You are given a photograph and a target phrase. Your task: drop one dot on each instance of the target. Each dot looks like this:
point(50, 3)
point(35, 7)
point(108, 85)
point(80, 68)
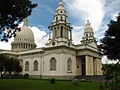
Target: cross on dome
point(88, 21)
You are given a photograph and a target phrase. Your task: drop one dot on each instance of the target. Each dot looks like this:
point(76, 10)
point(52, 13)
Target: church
point(60, 58)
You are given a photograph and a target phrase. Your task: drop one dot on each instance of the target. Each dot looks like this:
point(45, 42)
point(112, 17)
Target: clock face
point(53, 43)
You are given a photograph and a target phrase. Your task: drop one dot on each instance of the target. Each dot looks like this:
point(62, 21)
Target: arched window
point(55, 33)
point(56, 18)
point(61, 31)
point(53, 64)
point(27, 66)
point(69, 65)
point(35, 65)
point(61, 18)
point(86, 35)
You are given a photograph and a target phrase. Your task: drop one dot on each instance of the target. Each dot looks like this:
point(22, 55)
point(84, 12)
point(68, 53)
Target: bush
point(75, 82)
point(26, 76)
point(86, 80)
point(52, 81)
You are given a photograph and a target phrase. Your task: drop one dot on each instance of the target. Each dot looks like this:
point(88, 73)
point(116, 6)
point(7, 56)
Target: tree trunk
point(1, 76)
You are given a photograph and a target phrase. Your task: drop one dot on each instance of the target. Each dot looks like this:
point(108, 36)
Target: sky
point(99, 13)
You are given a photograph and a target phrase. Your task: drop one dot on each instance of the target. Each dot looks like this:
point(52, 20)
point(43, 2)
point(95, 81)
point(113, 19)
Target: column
point(87, 65)
point(99, 66)
point(59, 31)
point(91, 66)
point(70, 34)
point(67, 33)
point(50, 35)
point(53, 33)
point(95, 66)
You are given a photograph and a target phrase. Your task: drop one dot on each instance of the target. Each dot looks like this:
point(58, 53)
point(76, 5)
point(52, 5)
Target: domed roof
point(25, 35)
point(88, 27)
point(24, 39)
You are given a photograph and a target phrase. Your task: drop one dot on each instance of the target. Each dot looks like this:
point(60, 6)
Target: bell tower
point(60, 28)
point(88, 34)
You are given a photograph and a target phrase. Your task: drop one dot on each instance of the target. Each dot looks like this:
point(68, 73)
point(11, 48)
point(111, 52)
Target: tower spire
point(88, 34)
point(60, 28)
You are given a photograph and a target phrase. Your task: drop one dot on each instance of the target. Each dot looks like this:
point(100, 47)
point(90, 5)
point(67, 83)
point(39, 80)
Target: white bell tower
point(60, 29)
point(88, 34)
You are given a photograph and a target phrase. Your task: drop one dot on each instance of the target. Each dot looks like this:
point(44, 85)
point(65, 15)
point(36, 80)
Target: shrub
point(26, 76)
point(86, 80)
point(52, 81)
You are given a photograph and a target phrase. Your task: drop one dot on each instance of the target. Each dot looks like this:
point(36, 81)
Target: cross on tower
point(87, 20)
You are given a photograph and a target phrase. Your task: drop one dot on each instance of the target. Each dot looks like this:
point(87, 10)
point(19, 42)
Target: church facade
point(60, 58)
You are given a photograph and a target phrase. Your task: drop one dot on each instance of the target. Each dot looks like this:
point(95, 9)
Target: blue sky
point(99, 12)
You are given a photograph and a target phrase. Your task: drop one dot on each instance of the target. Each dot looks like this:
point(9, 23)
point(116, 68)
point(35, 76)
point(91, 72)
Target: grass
point(32, 84)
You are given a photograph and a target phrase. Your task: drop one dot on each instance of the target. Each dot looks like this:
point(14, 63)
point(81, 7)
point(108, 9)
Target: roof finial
point(25, 20)
point(88, 21)
point(60, 3)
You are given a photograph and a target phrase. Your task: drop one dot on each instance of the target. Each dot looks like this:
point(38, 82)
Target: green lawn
point(30, 84)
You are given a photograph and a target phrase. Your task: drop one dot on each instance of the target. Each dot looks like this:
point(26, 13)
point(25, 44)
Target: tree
point(12, 12)
point(111, 47)
point(111, 42)
point(9, 64)
point(3, 60)
point(112, 76)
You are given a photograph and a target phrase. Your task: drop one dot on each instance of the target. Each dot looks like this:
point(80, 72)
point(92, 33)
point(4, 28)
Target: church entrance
point(81, 70)
point(83, 66)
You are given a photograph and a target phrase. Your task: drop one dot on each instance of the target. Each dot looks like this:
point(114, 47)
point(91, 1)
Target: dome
point(24, 39)
point(25, 35)
point(88, 27)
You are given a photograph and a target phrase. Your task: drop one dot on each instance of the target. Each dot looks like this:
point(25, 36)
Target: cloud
point(76, 27)
point(112, 6)
point(40, 36)
point(87, 9)
point(6, 45)
point(77, 34)
point(105, 60)
point(47, 8)
point(21, 24)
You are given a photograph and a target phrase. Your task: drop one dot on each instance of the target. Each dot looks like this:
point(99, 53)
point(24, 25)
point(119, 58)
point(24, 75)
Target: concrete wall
point(31, 60)
point(61, 65)
point(78, 66)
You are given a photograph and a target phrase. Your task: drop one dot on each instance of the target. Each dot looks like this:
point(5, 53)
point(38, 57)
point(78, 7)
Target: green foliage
point(12, 12)
point(26, 76)
point(52, 81)
point(111, 42)
point(112, 76)
point(111, 47)
point(9, 64)
point(86, 80)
